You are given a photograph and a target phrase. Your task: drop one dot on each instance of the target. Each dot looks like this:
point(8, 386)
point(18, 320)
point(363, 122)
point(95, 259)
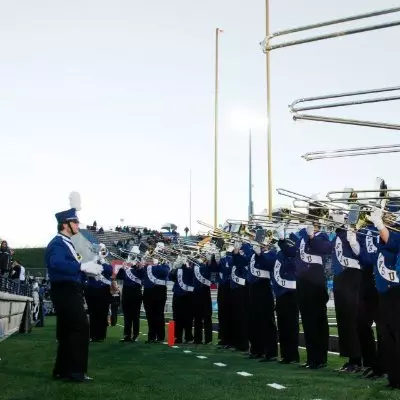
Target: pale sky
point(115, 99)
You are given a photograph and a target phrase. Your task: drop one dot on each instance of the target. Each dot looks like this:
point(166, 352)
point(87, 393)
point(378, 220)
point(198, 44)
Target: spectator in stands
point(5, 258)
point(95, 224)
point(101, 230)
point(15, 271)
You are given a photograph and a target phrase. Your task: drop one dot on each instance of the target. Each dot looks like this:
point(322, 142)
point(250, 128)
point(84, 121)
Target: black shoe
point(283, 361)
point(268, 359)
point(210, 342)
point(372, 374)
point(125, 339)
point(178, 341)
point(135, 339)
point(221, 343)
point(78, 378)
point(316, 365)
point(304, 365)
point(150, 341)
point(189, 341)
point(96, 340)
point(352, 369)
point(343, 368)
point(255, 356)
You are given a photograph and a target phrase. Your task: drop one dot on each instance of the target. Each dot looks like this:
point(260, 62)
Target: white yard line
point(276, 386)
point(242, 373)
point(220, 364)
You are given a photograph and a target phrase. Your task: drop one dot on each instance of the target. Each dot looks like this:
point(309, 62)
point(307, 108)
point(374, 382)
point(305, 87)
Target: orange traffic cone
point(171, 333)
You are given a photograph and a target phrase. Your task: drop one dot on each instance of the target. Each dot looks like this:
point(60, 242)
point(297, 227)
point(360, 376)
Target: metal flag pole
point(217, 32)
point(268, 74)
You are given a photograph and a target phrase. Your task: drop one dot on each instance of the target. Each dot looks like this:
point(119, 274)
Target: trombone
point(296, 110)
point(267, 47)
point(352, 152)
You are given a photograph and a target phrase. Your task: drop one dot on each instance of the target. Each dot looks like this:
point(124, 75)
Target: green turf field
point(139, 371)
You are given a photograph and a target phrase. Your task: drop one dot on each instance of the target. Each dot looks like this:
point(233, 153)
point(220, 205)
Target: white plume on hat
point(75, 201)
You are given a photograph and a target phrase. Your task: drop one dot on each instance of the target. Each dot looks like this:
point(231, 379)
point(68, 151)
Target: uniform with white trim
point(154, 298)
point(202, 306)
point(311, 292)
point(182, 301)
point(225, 312)
point(67, 275)
point(346, 288)
point(239, 295)
point(131, 300)
point(287, 310)
point(97, 295)
point(386, 272)
point(262, 327)
point(371, 350)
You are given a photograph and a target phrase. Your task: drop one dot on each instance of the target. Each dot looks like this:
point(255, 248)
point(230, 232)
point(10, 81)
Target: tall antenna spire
point(251, 211)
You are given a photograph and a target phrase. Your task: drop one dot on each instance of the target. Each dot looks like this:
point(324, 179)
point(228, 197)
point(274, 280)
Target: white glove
point(376, 219)
point(352, 239)
point(217, 258)
point(237, 245)
point(223, 254)
point(208, 257)
point(91, 268)
point(310, 231)
point(280, 231)
point(257, 249)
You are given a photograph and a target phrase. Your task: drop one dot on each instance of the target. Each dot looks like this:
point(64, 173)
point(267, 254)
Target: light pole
point(217, 32)
point(268, 73)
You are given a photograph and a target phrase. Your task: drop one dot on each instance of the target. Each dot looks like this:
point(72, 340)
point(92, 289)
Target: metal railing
point(9, 286)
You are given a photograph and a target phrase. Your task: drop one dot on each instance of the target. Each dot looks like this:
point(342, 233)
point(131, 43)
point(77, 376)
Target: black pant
point(225, 326)
point(98, 302)
point(372, 353)
point(154, 303)
point(312, 298)
point(182, 307)
point(287, 313)
point(131, 303)
point(239, 310)
point(262, 328)
point(389, 312)
point(202, 311)
point(72, 328)
point(346, 291)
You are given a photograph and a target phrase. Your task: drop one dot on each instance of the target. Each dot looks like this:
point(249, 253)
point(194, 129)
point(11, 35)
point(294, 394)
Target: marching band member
point(97, 295)
point(132, 275)
point(182, 300)
point(372, 354)
point(387, 273)
point(346, 288)
point(115, 301)
point(311, 292)
point(155, 297)
point(225, 326)
point(262, 327)
point(239, 295)
point(66, 275)
point(202, 306)
point(287, 310)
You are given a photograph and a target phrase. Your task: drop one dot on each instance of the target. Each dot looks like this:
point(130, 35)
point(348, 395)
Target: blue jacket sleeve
point(321, 244)
point(393, 243)
point(121, 274)
point(60, 260)
point(107, 269)
point(288, 251)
